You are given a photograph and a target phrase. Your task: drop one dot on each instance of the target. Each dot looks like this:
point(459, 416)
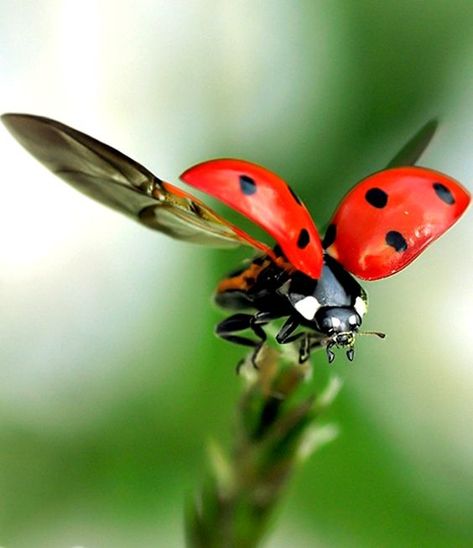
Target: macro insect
point(379, 227)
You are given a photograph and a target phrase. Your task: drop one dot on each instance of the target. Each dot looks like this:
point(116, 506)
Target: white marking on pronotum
point(307, 307)
point(360, 306)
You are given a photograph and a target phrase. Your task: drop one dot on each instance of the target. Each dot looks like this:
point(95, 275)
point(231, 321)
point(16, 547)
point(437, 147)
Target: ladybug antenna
point(377, 333)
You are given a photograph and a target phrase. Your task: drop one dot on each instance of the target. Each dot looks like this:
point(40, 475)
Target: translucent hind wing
point(108, 176)
point(415, 147)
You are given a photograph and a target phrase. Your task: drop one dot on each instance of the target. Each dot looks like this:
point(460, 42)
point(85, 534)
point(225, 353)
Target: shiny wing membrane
point(110, 177)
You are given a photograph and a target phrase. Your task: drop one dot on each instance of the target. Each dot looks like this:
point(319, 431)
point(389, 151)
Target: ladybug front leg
point(308, 344)
point(286, 335)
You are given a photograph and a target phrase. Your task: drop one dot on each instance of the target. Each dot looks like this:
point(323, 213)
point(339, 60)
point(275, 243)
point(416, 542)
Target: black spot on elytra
point(376, 197)
point(444, 193)
point(396, 240)
point(294, 195)
point(330, 236)
point(303, 239)
point(247, 185)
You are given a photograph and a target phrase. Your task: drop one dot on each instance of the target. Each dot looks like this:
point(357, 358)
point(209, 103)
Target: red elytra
point(386, 221)
point(383, 224)
point(268, 201)
point(390, 217)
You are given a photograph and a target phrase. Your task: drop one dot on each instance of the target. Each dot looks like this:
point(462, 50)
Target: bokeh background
point(111, 378)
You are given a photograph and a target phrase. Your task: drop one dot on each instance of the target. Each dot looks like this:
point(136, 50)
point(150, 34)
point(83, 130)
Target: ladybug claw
point(239, 365)
point(304, 350)
point(330, 354)
point(350, 354)
point(255, 355)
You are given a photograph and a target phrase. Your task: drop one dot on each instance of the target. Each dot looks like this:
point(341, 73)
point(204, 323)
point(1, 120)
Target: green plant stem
point(276, 426)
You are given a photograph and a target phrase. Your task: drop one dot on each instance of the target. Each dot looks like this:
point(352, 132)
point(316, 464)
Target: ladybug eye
point(353, 320)
point(330, 323)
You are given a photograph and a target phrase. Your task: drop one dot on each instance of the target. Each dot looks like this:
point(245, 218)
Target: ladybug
point(380, 227)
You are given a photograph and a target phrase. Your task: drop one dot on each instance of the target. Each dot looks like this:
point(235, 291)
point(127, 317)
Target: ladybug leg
point(235, 323)
point(304, 350)
point(264, 317)
point(236, 339)
point(239, 365)
point(256, 323)
point(316, 342)
point(309, 344)
point(289, 326)
point(239, 322)
point(293, 338)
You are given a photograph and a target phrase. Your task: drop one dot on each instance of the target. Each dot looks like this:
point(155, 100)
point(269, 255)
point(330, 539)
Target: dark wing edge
point(115, 180)
point(415, 147)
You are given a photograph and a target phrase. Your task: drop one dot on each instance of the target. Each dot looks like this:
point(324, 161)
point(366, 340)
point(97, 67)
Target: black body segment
point(326, 312)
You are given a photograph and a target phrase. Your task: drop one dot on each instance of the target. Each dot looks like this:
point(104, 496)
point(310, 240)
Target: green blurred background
point(111, 378)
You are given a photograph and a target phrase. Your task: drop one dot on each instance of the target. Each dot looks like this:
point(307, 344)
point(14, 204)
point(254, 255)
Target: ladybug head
point(339, 321)
point(340, 324)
